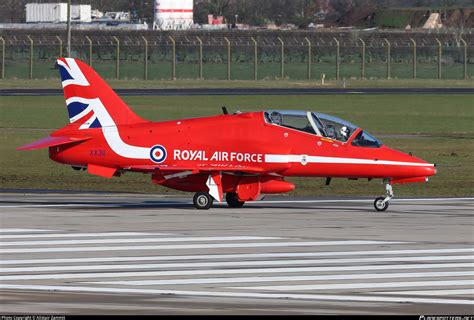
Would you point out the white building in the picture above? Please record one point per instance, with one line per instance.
(56, 12)
(81, 12)
(173, 14)
(46, 12)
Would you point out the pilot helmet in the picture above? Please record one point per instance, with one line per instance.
(344, 130)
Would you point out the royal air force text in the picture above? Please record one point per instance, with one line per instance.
(201, 155)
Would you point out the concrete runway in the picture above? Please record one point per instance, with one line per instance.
(247, 91)
(145, 254)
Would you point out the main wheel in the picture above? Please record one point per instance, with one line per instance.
(379, 205)
(233, 200)
(202, 200)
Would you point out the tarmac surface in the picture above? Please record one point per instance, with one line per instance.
(247, 91)
(144, 254)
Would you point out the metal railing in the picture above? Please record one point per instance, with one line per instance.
(243, 58)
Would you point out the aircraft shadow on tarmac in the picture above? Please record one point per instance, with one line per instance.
(251, 208)
(107, 205)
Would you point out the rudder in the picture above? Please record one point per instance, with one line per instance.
(89, 99)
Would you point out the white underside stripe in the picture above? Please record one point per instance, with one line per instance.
(276, 158)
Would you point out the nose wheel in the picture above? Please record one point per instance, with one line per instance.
(381, 203)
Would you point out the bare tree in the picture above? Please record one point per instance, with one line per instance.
(218, 7)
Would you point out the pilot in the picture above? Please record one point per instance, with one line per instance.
(344, 133)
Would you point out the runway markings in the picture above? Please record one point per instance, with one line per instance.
(432, 292)
(364, 285)
(233, 271)
(357, 200)
(131, 240)
(200, 246)
(291, 278)
(16, 230)
(233, 264)
(237, 256)
(409, 272)
(171, 203)
(93, 205)
(80, 235)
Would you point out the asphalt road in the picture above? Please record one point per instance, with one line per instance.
(144, 254)
(248, 91)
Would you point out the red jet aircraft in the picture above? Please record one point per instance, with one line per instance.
(243, 155)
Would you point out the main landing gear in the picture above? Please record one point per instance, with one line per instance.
(381, 203)
(233, 200)
(203, 200)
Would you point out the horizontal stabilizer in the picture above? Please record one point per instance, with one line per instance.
(52, 142)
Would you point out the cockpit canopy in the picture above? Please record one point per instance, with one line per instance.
(321, 124)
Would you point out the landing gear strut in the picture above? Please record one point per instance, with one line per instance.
(202, 200)
(381, 203)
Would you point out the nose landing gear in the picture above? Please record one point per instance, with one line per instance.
(381, 203)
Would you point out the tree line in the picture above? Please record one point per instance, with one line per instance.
(253, 12)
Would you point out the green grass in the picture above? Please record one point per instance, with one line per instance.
(294, 71)
(392, 19)
(349, 83)
(440, 127)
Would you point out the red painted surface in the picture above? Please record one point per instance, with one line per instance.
(252, 155)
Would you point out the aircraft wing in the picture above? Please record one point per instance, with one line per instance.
(52, 142)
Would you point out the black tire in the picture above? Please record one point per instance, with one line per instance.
(203, 200)
(233, 200)
(379, 205)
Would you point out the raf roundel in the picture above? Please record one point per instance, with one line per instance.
(158, 154)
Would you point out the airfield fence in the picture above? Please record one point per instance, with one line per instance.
(242, 56)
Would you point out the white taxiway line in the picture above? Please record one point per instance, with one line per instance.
(363, 285)
(123, 274)
(112, 205)
(201, 246)
(133, 240)
(231, 264)
(431, 292)
(357, 200)
(87, 205)
(235, 256)
(81, 235)
(14, 230)
(312, 297)
(289, 278)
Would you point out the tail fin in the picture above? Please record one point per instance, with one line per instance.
(90, 100)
